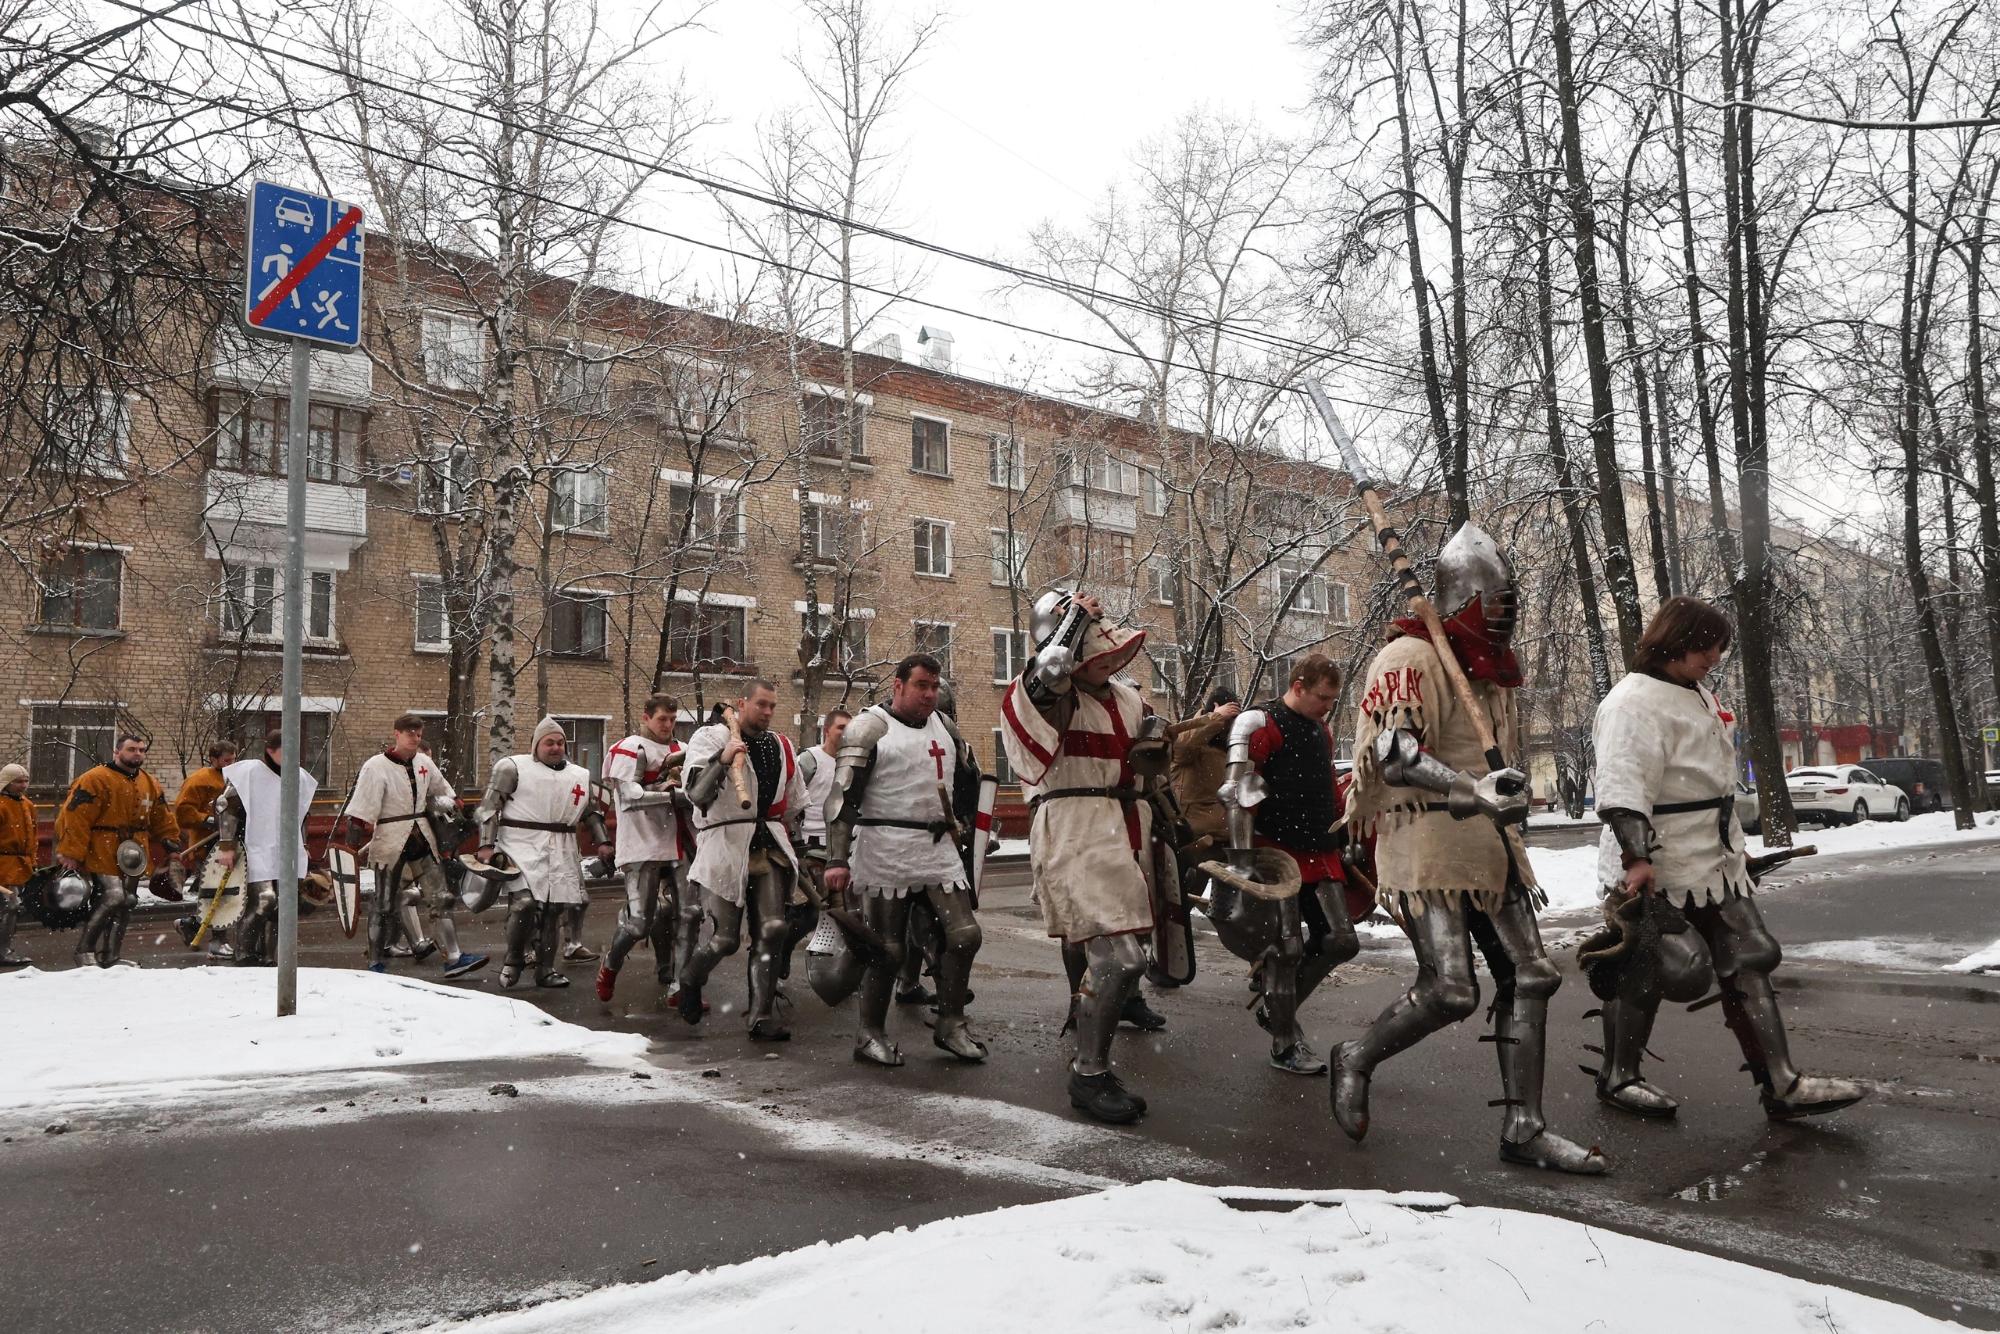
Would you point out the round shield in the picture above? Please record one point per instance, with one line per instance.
(224, 885)
(46, 902)
(132, 857)
(1274, 875)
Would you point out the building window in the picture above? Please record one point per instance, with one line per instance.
(444, 480)
(81, 589)
(1006, 462)
(454, 350)
(576, 624)
(1010, 654)
(845, 651)
(1010, 558)
(253, 435)
(933, 547)
(88, 433)
(580, 503)
(1099, 469)
(1102, 557)
(824, 532)
(1310, 591)
(584, 382)
(934, 638)
(1167, 671)
(697, 399)
(586, 742)
(1336, 605)
(433, 617)
(706, 636)
(1003, 772)
(930, 446)
(822, 426)
(1162, 585)
(64, 740)
(252, 603)
(1152, 492)
(710, 516)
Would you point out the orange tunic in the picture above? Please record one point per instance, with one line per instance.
(105, 807)
(17, 840)
(194, 805)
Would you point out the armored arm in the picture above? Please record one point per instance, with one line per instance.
(633, 796)
(228, 817)
(1633, 831)
(1243, 788)
(853, 767)
(500, 786)
(704, 785)
(1501, 796)
(591, 822)
(1048, 675)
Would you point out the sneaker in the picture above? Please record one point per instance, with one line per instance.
(378, 967)
(221, 950)
(463, 964)
(607, 982)
(399, 951)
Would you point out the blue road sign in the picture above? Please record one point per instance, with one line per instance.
(302, 275)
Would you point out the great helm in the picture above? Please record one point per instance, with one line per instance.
(1473, 566)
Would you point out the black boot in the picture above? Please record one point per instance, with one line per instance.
(1141, 1015)
(1104, 1098)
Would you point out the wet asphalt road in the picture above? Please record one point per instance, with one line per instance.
(418, 1194)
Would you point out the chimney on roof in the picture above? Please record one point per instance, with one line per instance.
(889, 345)
(934, 346)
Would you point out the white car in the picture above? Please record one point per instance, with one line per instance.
(1844, 794)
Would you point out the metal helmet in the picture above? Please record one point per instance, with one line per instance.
(71, 891)
(1473, 566)
(477, 892)
(1051, 609)
(132, 857)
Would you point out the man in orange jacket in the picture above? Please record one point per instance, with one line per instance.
(17, 857)
(194, 812)
(112, 805)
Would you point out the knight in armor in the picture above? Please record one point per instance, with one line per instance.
(18, 849)
(643, 772)
(1070, 730)
(819, 767)
(1278, 901)
(400, 804)
(1423, 786)
(747, 791)
(194, 812)
(1672, 854)
(893, 842)
(250, 822)
(534, 807)
(104, 831)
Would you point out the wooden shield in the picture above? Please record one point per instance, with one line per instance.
(223, 889)
(346, 887)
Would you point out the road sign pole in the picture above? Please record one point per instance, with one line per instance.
(288, 778)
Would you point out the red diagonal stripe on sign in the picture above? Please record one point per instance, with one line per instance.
(290, 282)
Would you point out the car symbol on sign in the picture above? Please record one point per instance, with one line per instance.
(294, 211)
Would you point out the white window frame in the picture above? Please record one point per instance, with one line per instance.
(86, 450)
(584, 381)
(717, 489)
(1103, 469)
(1003, 770)
(124, 558)
(418, 643)
(1163, 588)
(736, 602)
(998, 555)
(945, 422)
(1342, 614)
(447, 336)
(440, 473)
(1006, 461)
(948, 659)
(856, 448)
(1286, 574)
(581, 594)
(248, 572)
(80, 761)
(600, 525)
(1005, 667)
(1152, 492)
(919, 523)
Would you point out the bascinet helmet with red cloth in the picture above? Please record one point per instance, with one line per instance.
(1473, 568)
(1055, 620)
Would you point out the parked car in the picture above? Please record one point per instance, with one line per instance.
(1993, 789)
(1749, 809)
(1921, 780)
(1844, 794)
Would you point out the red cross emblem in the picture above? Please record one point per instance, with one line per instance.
(938, 753)
(576, 795)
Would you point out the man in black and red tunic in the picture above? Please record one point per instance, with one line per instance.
(1280, 899)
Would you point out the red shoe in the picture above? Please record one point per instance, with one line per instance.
(607, 978)
(674, 1001)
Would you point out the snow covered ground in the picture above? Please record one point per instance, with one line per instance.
(1570, 874)
(1985, 961)
(1167, 1255)
(91, 1036)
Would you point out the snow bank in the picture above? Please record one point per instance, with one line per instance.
(1166, 1255)
(123, 1034)
(1570, 874)
(1985, 961)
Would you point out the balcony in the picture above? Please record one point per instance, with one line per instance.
(1101, 511)
(242, 513)
(258, 367)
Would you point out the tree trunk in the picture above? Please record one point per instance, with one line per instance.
(1983, 442)
(1670, 478)
(1618, 567)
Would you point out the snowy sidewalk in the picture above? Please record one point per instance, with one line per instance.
(112, 1035)
(1167, 1255)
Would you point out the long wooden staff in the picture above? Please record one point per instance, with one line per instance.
(1412, 589)
(739, 768)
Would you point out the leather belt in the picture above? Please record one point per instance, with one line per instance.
(543, 826)
(1125, 794)
(1722, 806)
(937, 829)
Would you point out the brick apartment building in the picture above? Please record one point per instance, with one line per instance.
(693, 490)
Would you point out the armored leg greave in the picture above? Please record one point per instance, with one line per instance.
(664, 936)
(722, 937)
(548, 944)
(257, 930)
(10, 913)
(104, 932)
(639, 919)
(960, 939)
(769, 893)
(889, 919)
(1520, 1032)
(409, 904)
(1681, 972)
(523, 916)
(1112, 968)
(1445, 992)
